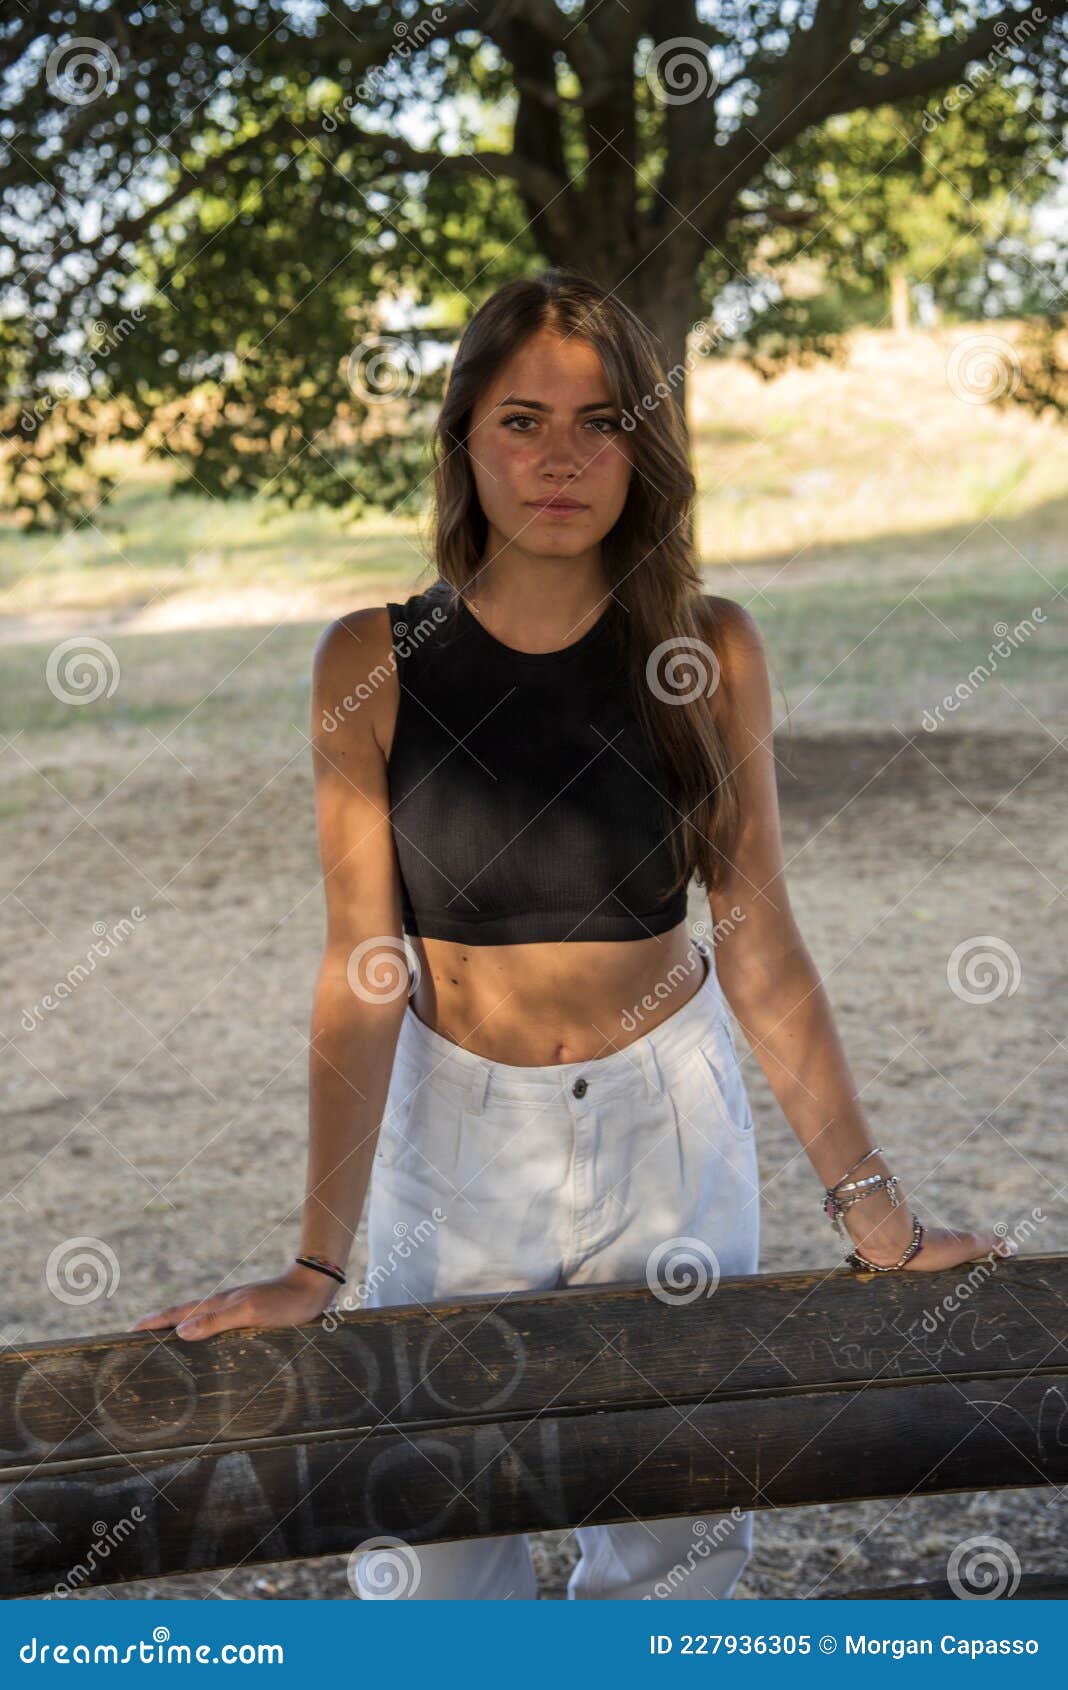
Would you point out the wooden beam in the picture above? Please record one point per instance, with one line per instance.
(525, 1412)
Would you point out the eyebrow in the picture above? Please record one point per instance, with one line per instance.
(536, 404)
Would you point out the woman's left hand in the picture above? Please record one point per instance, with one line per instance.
(948, 1247)
(886, 1240)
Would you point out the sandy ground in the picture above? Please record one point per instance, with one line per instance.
(163, 1109)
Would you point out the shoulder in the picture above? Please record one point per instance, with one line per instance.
(363, 657)
(353, 673)
(744, 689)
(737, 628)
(368, 635)
(352, 646)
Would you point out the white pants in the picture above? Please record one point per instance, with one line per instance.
(570, 1174)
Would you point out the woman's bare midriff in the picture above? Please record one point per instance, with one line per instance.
(537, 1004)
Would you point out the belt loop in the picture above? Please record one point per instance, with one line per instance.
(476, 1088)
(654, 1079)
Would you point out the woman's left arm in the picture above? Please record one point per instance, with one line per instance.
(773, 987)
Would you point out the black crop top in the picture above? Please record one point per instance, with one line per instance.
(526, 802)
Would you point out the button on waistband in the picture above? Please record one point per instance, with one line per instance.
(579, 1088)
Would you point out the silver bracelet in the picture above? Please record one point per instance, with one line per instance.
(868, 1154)
(840, 1197)
(861, 1264)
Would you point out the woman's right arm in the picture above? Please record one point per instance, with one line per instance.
(361, 989)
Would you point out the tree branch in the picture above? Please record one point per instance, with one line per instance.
(559, 30)
(906, 81)
(809, 89)
(396, 154)
(794, 100)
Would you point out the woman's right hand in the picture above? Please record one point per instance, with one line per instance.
(299, 1295)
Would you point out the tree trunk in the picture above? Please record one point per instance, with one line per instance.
(899, 301)
(660, 290)
(667, 306)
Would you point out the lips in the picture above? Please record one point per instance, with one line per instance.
(556, 505)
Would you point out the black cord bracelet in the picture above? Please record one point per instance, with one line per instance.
(321, 1265)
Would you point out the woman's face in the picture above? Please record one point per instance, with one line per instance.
(546, 427)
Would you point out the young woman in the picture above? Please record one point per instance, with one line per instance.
(521, 768)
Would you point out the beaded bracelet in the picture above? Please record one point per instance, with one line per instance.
(841, 1196)
(323, 1265)
(861, 1264)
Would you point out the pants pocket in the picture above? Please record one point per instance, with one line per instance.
(393, 1129)
(718, 1066)
(720, 1180)
(420, 1128)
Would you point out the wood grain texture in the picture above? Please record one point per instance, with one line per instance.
(134, 1455)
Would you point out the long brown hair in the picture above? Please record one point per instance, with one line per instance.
(672, 643)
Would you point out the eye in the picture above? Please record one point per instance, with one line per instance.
(600, 424)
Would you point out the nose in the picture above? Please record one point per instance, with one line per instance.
(560, 464)
(562, 456)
